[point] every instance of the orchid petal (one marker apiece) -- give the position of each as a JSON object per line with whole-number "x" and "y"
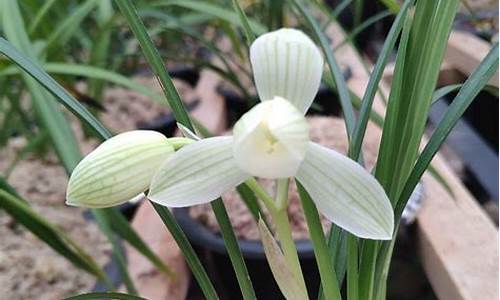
{"x": 287, "y": 63}
{"x": 270, "y": 141}
{"x": 118, "y": 170}
{"x": 198, "y": 173}
{"x": 346, "y": 193}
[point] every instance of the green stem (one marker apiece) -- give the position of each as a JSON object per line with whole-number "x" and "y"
{"x": 329, "y": 282}
{"x": 261, "y": 193}
{"x": 282, "y": 193}
{"x": 285, "y": 237}
{"x": 352, "y": 268}
{"x": 280, "y": 218}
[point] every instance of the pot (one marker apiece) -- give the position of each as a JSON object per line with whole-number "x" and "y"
{"x": 213, "y": 255}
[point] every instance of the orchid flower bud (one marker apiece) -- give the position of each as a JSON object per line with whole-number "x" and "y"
{"x": 287, "y": 63}
{"x": 118, "y": 170}
{"x": 270, "y": 141}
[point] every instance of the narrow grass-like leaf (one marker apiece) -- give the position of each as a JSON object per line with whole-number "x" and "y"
{"x": 470, "y": 89}
{"x": 45, "y": 106}
{"x": 245, "y": 24}
{"x": 392, "y": 5}
{"x": 64, "y": 31}
{"x": 327, "y": 273}
{"x": 214, "y": 10}
{"x": 41, "y": 13}
{"x": 188, "y": 251}
{"x": 472, "y": 86}
{"x": 94, "y": 73}
{"x": 103, "y": 296}
{"x": 335, "y": 71}
{"x": 369, "y": 95}
{"x": 120, "y": 227}
{"x": 117, "y": 251}
{"x": 417, "y": 68}
{"x": 48, "y": 233}
{"x": 361, "y": 27}
{"x": 155, "y": 61}
{"x": 38, "y": 74}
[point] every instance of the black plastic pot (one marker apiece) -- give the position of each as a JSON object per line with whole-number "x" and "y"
{"x": 212, "y": 252}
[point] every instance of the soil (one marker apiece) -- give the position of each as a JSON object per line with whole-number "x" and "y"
{"x": 29, "y": 269}
{"x": 327, "y": 131}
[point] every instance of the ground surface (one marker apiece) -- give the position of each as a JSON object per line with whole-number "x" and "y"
{"x": 28, "y": 268}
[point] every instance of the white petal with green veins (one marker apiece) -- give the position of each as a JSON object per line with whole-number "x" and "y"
{"x": 198, "y": 173}
{"x": 287, "y": 63}
{"x": 118, "y": 170}
{"x": 270, "y": 140}
{"x": 346, "y": 194}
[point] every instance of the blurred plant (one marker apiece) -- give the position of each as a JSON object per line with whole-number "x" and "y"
{"x": 422, "y": 30}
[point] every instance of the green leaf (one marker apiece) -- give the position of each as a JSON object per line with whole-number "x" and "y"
{"x": 45, "y": 106}
{"x": 470, "y": 89}
{"x": 327, "y": 273}
{"x": 187, "y": 250}
{"x": 245, "y": 23}
{"x": 94, "y": 73}
{"x": 416, "y": 74}
{"x": 66, "y": 29}
{"x": 41, "y": 13}
{"x": 369, "y": 95}
{"x": 48, "y": 233}
{"x": 120, "y": 227}
{"x": 106, "y": 295}
{"x": 361, "y": 27}
{"x": 38, "y": 74}
{"x": 472, "y": 86}
{"x": 335, "y": 71}
{"x": 214, "y": 10}
{"x": 155, "y": 61}
{"x": 117, "y": 251}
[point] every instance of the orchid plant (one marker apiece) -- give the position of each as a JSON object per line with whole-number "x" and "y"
{"x": 270, "y": 141}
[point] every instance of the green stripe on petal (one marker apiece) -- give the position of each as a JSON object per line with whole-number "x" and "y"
{"x": 287, "y": 63}
{"x": 346, "y": 194}
{"x": 118, "y": 170}
{"x": 198, "y": 173}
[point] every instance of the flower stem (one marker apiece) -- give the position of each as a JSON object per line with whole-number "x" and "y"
{"x": 261, "y": 193}
{"x": 284, "y": 231}
{"x": 280, "y": 218}
{"x": 282, "y": 193}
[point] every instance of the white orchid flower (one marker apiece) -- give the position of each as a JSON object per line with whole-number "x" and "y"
{"x": 272, "y": 141}
{"x": 119, "y": 170}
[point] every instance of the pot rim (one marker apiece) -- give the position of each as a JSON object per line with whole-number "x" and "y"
{"x": 201, "y": 236}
